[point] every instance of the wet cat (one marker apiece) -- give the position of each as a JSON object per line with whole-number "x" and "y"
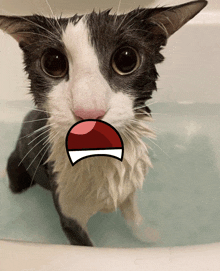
{"x": 94, "y": 66}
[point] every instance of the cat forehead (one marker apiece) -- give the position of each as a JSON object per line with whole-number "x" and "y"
{"x": 103, "y": 24}
{"x": 99, "y": 33}
{"x": 76, "y": 39}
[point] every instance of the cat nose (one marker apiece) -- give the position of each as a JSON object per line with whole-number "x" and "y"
{"x": 89, "y": 114}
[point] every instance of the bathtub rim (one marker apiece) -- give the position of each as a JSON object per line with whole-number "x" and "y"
{"x": 19, "y": 256}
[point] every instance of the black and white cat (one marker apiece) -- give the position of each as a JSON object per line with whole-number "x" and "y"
{"x": 95, "y": 66}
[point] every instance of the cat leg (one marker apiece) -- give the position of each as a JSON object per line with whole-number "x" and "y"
{"x": 73, "y": 217}
{"x": 135, "y": 221}
{"x": 76, "y": 234}
{"x": 19, "y": 179}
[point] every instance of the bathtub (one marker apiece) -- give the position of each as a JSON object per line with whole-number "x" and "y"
{"x": 181, "y": 194}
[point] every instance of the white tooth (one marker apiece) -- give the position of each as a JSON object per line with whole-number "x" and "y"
{"x": 77, "y": 155}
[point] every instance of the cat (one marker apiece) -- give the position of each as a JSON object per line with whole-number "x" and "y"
{"x": 93, "y": 66}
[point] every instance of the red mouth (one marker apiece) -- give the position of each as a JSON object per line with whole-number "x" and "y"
{"x": 93, "y": 138}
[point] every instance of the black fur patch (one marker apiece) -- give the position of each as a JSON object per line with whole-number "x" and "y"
{"x": 45, "y": 33}
{"x": 134, "y": 29}
{"x": 38, "y": 34}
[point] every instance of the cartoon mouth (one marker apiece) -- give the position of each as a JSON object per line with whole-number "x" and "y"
{"x": 93, "y": 138}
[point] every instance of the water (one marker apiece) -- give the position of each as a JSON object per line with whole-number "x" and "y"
{"x": 180, "y": 197}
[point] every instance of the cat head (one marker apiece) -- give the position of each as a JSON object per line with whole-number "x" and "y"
{"x": 98, "y": 65}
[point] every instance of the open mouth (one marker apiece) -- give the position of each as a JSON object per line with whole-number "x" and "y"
{"x": 93, "y": 138}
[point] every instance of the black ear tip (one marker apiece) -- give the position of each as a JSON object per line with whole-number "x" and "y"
{"x": 205, "y": 3}
{"x": 202, "y": 2}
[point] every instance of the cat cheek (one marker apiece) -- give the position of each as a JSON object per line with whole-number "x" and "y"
{"x": 59, "y": 105}
{"x": 120, "y": 110}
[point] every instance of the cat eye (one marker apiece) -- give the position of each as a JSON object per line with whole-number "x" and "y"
{"x": 125, "y": 60}
{"x": 54, "y": 63}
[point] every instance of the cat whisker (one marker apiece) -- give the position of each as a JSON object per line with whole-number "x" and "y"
{"x": 145, "y": 105}
{"x": 142, "y": 110}
{"x": 39, "y": 152}
{"x": 123, "y": 20}
{"x": 37, "y": 130}
{"x": 163, "y": 114}
{"x": 49, "y": 6}
{"x": 139, "y": 107}
{"x": 47, "y": 2}
{"x": 49, "y": 21}
{"x": 157, "y": 130}
{"x": 161, "y": 26}
{"x": 50, "y": 138}
{"x": 136, "y": 122}
{"x": 141, "y": 128}
{"x": 37, "y": 109}
{"x": 142, "y": 113}
{"x": 38, "y": 25}
{"x": 39, "y": 164}
{"x": 129, "y": 27}
{"x": 132, "y": 18}
{"x": 152, "y": 103}
{"x": 39, "y": 136}
{"x": 158, "y": 147}
{"x": 132, "y": 135}
{"x": 33, "y": 148}
{"x": 56, "y": 20}
{"x": 127, "y": 134}
{"x": 152, "y": 113}
{"x": 32, "y": 33}
{"x": 168, "y": 19}
{"x": 35, "y": 120}
{"x": 119, "y": 4}
{"x": 148, "y": 119}
{"x": 48, "y": 144}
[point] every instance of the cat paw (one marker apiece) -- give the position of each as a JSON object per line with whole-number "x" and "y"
{"x": 149, "y": 235}
{"x": 144, "y": 233}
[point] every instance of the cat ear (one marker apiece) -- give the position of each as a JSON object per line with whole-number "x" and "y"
{"x": 29, "y": 29}
{"x": 15, "y": 26}
{"x": 169, "y": 20}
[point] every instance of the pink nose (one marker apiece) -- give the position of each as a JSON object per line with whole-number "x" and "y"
{"x": 89, "y": 114}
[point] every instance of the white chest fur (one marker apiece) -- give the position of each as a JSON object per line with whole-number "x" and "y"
{"x": 97, "y": 183}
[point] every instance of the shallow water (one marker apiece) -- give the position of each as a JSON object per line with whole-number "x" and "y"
{"x": 180, "y": 197}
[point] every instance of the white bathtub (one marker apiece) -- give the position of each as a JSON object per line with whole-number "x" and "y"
{"x": 181, "y": 195}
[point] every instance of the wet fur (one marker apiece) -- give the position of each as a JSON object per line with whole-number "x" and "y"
{"x": 98, "y": 183}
